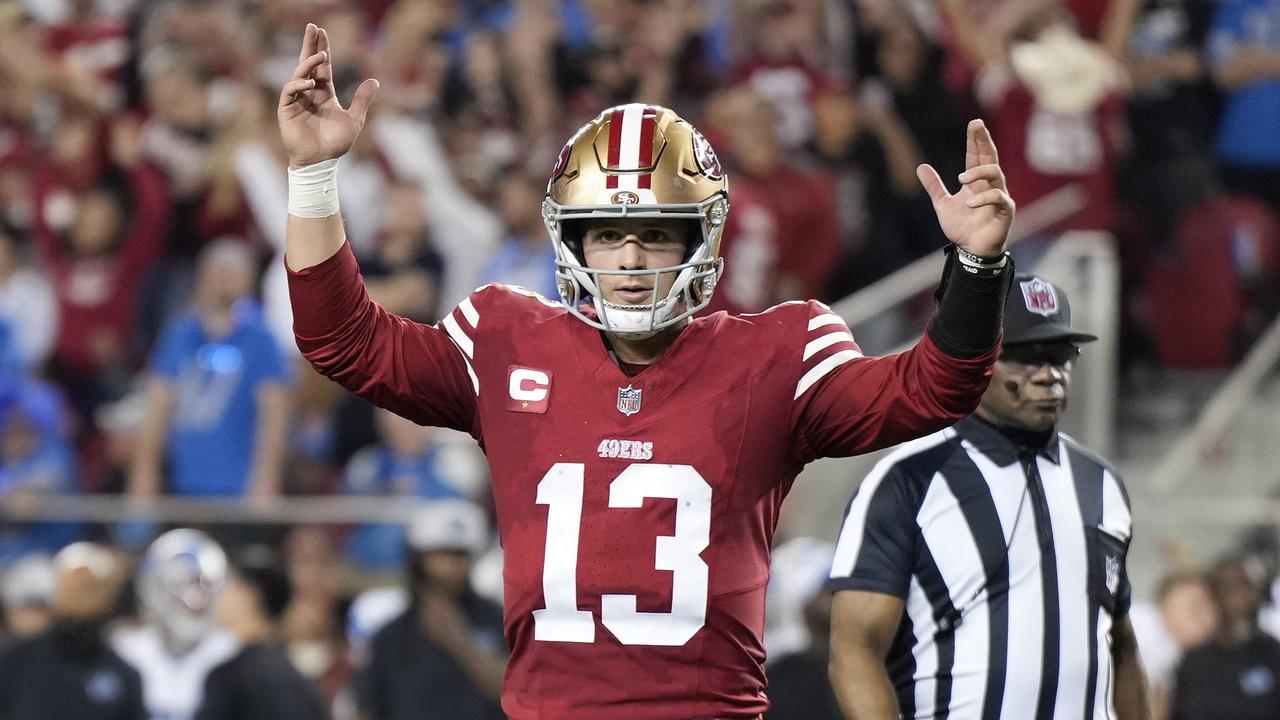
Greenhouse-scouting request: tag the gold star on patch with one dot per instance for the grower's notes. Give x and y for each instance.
(524, 405)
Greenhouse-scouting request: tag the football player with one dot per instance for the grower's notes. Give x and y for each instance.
(179, 581)
(638, 456)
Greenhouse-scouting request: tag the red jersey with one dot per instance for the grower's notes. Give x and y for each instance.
(636, 512)
(98, 295)
(1044, 151)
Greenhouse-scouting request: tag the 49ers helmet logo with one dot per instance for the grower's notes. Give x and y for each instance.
(563, 160)
(706, 156)
(625, 197)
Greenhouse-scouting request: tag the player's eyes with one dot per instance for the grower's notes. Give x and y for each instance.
(607, 236)
(656, 236)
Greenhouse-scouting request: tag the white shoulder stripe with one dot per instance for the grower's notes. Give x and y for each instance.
(824, 320)
(469, 312)
(817, 372)
(455, 331)
(475, 381)
(826, 341)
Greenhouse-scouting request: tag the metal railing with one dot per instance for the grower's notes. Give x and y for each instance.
(1214, 421)
(331, 510)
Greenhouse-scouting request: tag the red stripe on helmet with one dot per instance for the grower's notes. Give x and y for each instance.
(615, 146)
(648, 127)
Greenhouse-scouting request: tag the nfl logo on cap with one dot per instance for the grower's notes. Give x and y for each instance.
(629, 400)
(1039, 297)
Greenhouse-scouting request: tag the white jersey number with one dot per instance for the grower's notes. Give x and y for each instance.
(561, 490)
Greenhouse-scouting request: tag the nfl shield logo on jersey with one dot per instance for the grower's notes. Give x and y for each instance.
(629, 400)
(1039, 297)
(1113, 574)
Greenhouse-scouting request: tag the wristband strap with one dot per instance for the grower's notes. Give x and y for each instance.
(313, 190)
(977, 265)
(973, 260)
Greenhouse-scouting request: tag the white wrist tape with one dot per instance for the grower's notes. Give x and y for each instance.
(313, 190)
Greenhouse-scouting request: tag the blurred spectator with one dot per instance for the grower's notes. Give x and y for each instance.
(370, 611)
(27, 305)
(403, 271)
(259, 682)
(885, 217)
(781, 239)
(415, 58)
(464, 230)
(524, 258)
(68, 672)
(311, 464)
(444, 655)
(119, 425)
(311, 626)
(909, 87)
(1234, 675)
(1056, 112)
(92, 48)
(218, 392)
(1172, 109)
(35, 461)
(653, 52)
(1183, 617)
(177, 644)
(409, 462)
(190, 66)
(488, 100)
(1244, 54)
(783, 64)
(100, 222)
(798, 685)
(26, 591)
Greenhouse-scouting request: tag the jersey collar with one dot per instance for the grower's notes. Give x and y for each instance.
(1004, 445)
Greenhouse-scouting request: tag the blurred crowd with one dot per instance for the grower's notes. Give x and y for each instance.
(145, 341)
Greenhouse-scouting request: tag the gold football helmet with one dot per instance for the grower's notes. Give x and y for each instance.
(637, 161)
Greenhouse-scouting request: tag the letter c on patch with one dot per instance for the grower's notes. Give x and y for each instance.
(528, 385)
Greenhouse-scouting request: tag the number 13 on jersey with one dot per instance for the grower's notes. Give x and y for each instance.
(561, 489)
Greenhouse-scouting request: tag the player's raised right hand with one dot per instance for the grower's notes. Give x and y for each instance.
(313, 124)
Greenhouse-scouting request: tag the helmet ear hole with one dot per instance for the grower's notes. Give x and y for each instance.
(571, 234)
(692, 237)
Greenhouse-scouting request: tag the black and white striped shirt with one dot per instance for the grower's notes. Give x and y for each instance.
(1011, 565)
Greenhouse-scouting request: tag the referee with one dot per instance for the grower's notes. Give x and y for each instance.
(980, 572)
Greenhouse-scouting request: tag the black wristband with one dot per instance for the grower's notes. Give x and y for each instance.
(970, 311)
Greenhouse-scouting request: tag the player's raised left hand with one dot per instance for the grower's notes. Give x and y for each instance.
(978, 217)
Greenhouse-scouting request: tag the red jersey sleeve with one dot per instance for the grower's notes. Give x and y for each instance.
(846, 403)
(417, 371)
(149, 226)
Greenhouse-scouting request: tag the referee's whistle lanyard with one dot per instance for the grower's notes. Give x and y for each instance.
(1033, 487)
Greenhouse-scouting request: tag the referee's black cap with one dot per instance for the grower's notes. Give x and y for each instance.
(1037, 311)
